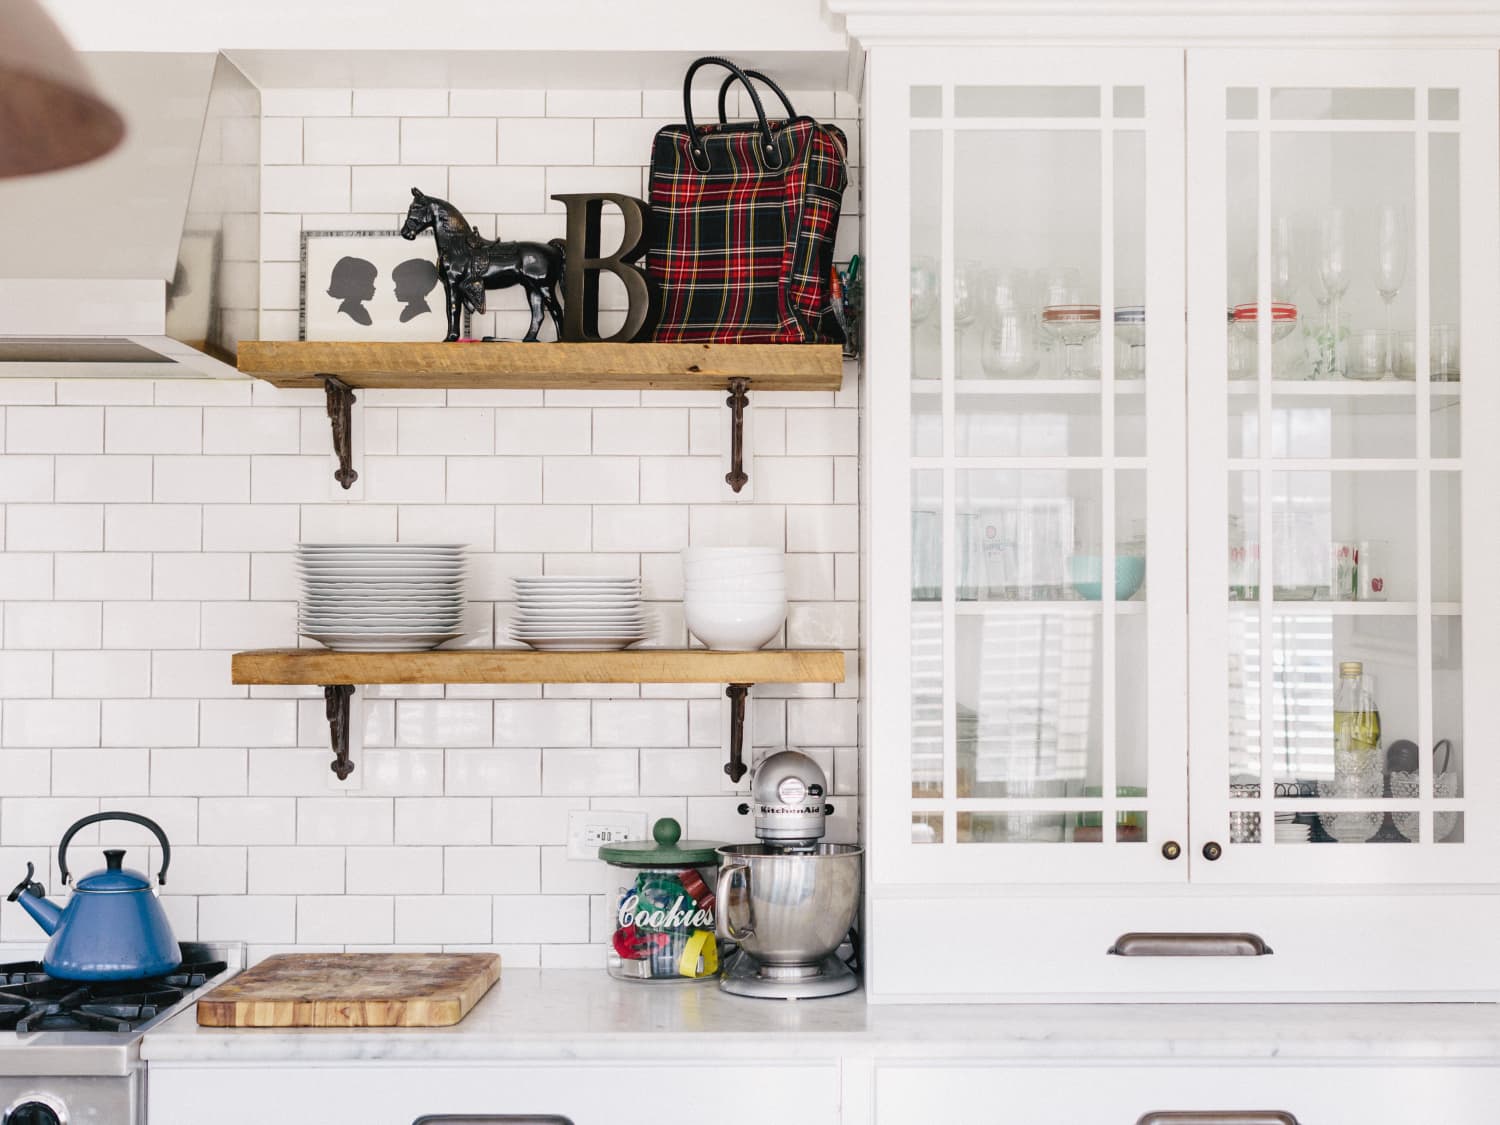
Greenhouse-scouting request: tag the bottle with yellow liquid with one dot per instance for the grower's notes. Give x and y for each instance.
(1356, 721)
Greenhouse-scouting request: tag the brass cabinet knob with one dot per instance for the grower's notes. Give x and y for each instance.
(1171, 849)
(1212, 850)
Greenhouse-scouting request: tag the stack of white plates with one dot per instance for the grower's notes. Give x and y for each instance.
(381, 597)
(1290, 832)
(568, 613)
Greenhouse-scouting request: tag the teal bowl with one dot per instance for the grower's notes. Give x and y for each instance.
(1085, 573)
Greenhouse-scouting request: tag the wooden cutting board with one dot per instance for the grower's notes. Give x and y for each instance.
(352, 990)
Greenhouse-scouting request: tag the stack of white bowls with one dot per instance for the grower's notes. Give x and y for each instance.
(381, 597)
(734, 598)
(579, 613)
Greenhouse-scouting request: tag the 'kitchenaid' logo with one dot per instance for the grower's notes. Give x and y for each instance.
(653, 917)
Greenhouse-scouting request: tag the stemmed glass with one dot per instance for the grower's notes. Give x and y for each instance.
(968, 285)
(1007, 344)
(924, 298)
(1333, 274)
(1390, 268)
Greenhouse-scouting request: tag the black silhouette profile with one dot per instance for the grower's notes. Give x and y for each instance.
(414, 279)
(353, 283)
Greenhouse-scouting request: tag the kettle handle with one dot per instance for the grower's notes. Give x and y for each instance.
(95, 818)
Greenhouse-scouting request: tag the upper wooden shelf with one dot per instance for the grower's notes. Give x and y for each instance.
(522, 666)
(563, 366)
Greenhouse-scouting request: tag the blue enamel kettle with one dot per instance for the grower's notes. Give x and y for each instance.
(113, 927)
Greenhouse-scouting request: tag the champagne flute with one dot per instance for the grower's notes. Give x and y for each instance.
(1390, 267)
(1333, 273)
(968, 283)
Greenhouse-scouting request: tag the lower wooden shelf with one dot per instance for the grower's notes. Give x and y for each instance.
(338, 672)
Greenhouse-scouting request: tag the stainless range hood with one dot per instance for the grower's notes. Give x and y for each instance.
(143, 263)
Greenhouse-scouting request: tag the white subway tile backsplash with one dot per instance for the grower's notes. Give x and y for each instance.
(545, 142)
(150, 625)
(346, 919)
(49, 625)
(91, 575)
(205, 480)
(293, 188)
(394, 871)
(541, 918)
(54, 527)
(26, 577)
(85, 772)
(54, 429)
(444, 918)
(161, 517)
(153, 527)
(102, 479)
(352, 821)
(100, 675)
(153, 429)
(50, 722)
(447, 140)
(150, 722)
(295, 871)
(26, 478)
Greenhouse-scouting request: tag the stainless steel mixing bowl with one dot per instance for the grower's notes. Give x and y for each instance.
(788, 909)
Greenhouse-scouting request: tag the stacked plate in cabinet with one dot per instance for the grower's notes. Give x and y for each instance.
(577, 613)
(381, 597)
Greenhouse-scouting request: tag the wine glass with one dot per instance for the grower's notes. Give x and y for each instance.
(968, 295)
(1390, 264)
(924, 297)
(1333, 276)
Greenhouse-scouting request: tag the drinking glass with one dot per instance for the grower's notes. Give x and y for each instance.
(968, 296)
(1390, 262)
(924, 297)
(1443, 362)
(1008, 346)
(1369, 358)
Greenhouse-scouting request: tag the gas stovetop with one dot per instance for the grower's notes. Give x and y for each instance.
(30, 1000)
(61, 1027)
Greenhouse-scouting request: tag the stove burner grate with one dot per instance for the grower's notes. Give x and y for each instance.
(32, 1001)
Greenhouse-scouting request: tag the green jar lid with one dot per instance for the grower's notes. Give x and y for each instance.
(665, 849)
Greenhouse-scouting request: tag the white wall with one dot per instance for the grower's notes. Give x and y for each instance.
(146, 532)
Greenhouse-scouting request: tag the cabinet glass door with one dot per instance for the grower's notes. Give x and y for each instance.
(1340, 347)
(1037, 349)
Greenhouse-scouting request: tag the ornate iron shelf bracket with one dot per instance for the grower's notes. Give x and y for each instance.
(737, 401)
(340, 408)
(736, 767)
(336, 699)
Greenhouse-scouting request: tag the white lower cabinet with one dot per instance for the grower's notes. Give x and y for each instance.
(1199, 1095)
(679, 1087)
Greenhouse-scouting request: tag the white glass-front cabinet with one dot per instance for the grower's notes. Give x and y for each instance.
(1180, 370)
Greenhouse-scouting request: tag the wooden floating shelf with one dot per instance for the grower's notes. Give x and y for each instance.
(341, 368)
(558, 366)
(337, 673)
(523, 666)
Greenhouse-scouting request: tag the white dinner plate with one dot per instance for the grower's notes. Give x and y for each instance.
(594, 644)
(382, 546)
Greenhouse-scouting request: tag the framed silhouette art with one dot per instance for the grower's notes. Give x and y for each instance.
(369, 285)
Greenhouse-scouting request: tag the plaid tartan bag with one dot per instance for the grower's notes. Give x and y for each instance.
(743, 218)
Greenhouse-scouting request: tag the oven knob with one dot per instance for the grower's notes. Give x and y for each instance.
(34, 1113)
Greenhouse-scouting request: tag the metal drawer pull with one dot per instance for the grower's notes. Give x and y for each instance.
(1190, 945)
(497, 1119)
(1220, 1117)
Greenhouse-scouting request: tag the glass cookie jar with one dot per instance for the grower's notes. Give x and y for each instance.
(664, 907)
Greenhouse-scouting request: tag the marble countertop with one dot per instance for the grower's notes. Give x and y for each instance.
(568, 1014)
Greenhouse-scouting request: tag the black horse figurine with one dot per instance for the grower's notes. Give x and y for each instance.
(469, 264)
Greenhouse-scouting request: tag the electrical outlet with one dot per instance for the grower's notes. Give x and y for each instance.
(589, 829)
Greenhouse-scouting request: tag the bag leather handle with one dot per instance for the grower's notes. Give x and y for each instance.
(134, 818)
(786, 103)
(770, 154)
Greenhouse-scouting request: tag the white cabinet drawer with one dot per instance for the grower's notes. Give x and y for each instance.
(1065, 1095)
(647, 1093)
(1370, 947)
